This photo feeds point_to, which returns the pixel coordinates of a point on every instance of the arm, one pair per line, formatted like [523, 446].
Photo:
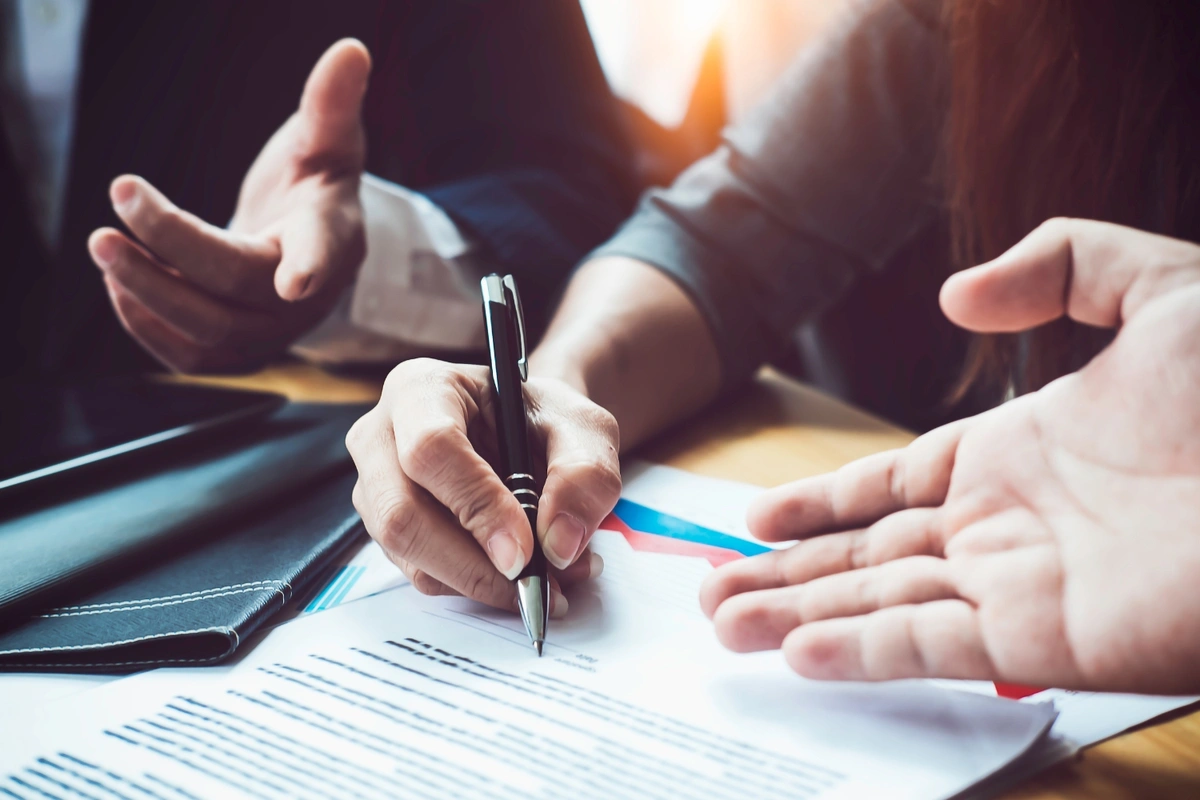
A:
[630, 339]
[824, 184]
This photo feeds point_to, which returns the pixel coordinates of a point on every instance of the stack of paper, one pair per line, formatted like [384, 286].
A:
[387, 693]
[398, 694]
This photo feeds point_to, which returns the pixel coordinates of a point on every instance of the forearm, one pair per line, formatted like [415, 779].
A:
[632, 341]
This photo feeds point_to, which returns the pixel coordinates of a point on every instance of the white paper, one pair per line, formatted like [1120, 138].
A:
[710, 502]
[1089, 717]
[368, 572]
[398, 694]
[21, 692]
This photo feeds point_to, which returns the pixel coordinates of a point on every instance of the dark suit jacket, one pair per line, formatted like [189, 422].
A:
[495, 109]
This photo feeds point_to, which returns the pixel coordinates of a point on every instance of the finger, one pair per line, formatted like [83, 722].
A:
[588, 566]
[410, 527]
[862, 492]
[421, 580]
[430, 418]
[227, 265]
[761, 620]
[1096, 273]
[168, 347]
[188, 311]
[912, 532]
[583, 482]
[319, 244]
[941, 639]
[331, 105]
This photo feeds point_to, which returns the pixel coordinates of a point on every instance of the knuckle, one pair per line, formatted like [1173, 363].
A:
[396, 524]
[1058, 223]
[425, 583]
[862, 551]
[404, 373]
[601, 421]
[897, 482]
[357, 436]
[476, 580]
[792, 565]
[427, 450]
[598, 477]
[606, 475]
[606, 423]
[476, 507]
[157, 222]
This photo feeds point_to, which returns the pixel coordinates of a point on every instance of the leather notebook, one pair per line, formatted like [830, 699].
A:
[179, 562]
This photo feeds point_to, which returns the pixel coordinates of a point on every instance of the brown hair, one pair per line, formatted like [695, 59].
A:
[1082, 108]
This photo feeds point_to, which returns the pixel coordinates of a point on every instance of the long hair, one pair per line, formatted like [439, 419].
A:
[1081, 108]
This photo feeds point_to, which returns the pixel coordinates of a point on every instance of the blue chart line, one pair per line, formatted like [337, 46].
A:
[336, 590]
[354, 574]
[647, 520]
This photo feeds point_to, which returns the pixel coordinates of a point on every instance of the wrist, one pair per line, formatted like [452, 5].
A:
[556, 362]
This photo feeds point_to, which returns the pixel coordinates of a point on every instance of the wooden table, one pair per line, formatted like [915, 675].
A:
[779, 431]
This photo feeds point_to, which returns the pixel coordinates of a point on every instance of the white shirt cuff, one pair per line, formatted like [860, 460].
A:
[417, 288]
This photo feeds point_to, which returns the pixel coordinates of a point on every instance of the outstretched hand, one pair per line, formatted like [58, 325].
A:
[1052, 541]
[203, 298]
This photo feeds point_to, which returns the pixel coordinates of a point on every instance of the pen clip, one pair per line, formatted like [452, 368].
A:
[519, 313]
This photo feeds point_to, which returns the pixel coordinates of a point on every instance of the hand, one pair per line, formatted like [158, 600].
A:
[429, 495]
[202, 298]
[1053, 541]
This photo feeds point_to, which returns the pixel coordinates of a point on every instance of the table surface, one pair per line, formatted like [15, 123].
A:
[778, 431]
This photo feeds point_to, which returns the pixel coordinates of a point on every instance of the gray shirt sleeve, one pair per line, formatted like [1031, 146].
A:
[824, 182]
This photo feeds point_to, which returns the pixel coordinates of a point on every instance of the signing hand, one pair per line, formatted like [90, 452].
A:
[203, 298]
[1053, 541]
[428, 495]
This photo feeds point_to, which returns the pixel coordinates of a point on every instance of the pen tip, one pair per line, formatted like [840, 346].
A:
[538, 646]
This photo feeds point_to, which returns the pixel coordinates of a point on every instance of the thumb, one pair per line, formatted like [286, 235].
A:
[317, 246]
[1096, 273]
[331, 107]
[583, 481]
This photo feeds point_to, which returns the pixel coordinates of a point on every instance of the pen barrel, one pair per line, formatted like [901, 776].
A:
[508, 388]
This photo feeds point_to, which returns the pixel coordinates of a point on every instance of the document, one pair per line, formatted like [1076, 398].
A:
[403, 695]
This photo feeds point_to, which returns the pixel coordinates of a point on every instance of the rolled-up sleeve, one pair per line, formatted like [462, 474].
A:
[826, 181]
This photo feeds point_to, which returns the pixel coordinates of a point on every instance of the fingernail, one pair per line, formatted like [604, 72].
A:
[563, 538]
[104, 251]
[505, 553]
[595, 565]
[558, 604]
[124, 197]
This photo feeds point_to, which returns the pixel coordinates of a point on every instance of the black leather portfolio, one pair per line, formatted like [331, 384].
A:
[180, 561]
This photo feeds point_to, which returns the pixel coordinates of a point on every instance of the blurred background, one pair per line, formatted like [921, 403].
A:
[686, 67]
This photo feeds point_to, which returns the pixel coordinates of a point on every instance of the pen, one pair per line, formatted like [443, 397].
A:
[510, 368]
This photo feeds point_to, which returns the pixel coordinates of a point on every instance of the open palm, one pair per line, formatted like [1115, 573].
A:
[1052, 541]
[203, 298]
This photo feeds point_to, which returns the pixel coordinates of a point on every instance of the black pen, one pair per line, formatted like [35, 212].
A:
[510, 369]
